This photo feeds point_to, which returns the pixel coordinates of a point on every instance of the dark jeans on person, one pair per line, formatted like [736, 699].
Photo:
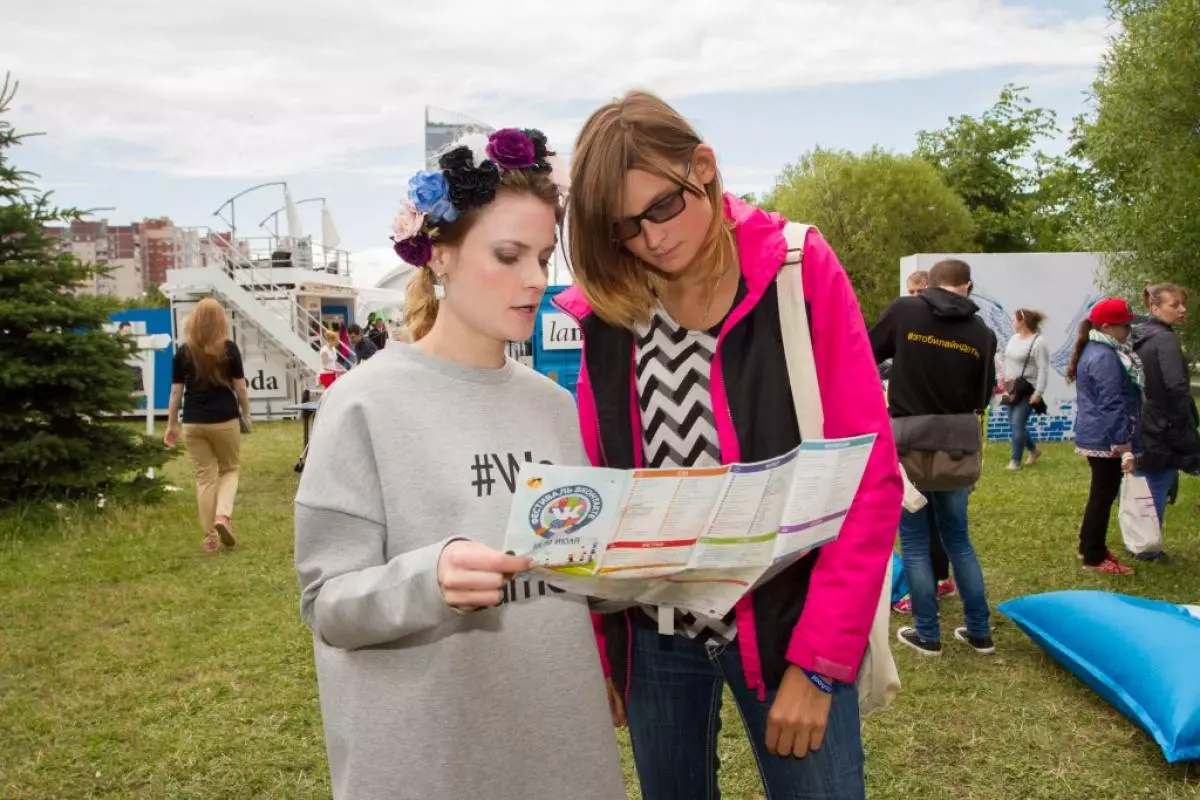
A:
[950, 510]
[1018, 420]
[1105, 488]
[937, 553]
[1161, 483]
[674, 711]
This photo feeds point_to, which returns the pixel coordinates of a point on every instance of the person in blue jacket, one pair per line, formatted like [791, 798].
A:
[1108, 381]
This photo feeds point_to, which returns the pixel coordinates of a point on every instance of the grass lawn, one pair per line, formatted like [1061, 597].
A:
[132, 665]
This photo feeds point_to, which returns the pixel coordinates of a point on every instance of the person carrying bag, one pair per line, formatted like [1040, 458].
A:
[942, 376]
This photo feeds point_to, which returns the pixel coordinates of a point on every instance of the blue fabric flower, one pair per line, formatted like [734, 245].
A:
[430, 193]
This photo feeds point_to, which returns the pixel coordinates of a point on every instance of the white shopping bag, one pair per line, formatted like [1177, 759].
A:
[1139, 517]
[914, 499]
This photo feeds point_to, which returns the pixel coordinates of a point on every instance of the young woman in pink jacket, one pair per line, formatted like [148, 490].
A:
[683, 365]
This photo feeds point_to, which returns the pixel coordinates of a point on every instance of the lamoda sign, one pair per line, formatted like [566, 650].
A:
[559, 332]
[266, 379]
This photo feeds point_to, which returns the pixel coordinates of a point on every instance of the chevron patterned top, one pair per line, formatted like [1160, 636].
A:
[678, 426]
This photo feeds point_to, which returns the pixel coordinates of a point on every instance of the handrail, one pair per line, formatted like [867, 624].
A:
[237, 265]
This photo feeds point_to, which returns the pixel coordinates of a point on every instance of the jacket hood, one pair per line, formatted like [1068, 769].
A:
[1148, 328]
[948, 305]
[760, 244]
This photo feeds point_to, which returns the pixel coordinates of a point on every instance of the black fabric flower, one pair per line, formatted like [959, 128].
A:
[471, 186]
[541, 150]
[457, 159]
[538, 138]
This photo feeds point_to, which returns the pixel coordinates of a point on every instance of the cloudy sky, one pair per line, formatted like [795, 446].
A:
[169, 108]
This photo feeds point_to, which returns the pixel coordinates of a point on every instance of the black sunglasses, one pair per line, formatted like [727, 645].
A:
[664, 210]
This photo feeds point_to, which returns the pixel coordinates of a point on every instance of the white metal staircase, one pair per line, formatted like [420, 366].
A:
[248, 289]
[218, 282]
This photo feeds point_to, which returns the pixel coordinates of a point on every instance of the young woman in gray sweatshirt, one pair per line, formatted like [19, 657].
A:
[441, 675]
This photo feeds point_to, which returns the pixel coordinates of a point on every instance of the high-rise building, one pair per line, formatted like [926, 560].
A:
[137, 255]
[160, 251]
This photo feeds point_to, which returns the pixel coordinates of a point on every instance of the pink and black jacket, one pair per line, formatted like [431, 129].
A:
[816, 614]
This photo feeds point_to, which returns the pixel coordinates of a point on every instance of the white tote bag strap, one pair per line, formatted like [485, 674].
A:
[797, 338]
[878, 679]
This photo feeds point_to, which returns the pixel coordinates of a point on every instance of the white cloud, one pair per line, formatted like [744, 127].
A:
[368, 267]
[236, 89]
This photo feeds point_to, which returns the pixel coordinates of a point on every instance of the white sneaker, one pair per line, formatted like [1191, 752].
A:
[1032, 457]
[1013, 466]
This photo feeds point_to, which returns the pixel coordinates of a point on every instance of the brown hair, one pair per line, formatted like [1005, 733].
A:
[639, 131]
[920, 277]
[1031, 319]
[1156, 294]
[206, 334]
[950, 272]
[420, 304]
[1081, 340]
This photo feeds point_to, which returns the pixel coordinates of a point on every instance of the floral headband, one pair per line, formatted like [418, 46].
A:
[468, 178]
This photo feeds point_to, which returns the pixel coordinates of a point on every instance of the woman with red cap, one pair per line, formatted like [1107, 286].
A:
[1108, 406]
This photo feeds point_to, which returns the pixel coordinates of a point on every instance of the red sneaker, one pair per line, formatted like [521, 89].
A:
[224, 528]
[946, 588]
[1110, 566]
[903, 605]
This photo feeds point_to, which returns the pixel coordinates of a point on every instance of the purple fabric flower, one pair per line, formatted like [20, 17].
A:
[415, 250]
[509, 148]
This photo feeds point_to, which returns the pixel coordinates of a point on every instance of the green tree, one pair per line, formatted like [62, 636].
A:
[874, 209]
[1020, 198]
[61, 373]
[1143, 145]
[153, 297]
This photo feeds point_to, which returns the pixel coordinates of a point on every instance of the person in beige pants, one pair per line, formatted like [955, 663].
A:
[210, 383]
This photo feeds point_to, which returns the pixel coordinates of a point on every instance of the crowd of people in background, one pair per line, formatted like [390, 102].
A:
[1134, 415]
[345, 346]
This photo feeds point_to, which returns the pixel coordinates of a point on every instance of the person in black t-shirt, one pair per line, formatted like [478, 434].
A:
[209, 381]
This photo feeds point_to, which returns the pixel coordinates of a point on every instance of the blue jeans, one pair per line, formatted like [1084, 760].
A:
[1018, 420]
[674, 710]
[1160, 486]
[950, 511]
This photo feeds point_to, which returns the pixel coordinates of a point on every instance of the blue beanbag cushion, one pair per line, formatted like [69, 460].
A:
[1143, 656]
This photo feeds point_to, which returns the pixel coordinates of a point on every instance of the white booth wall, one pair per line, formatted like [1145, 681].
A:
[1063, 286]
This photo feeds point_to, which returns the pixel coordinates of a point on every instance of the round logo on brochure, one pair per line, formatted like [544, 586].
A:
[564, 510]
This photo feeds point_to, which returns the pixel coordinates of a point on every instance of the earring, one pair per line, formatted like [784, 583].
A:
[439, 289]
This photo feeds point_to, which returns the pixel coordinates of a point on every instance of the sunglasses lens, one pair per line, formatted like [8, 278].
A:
[663, 211]
[627, 229]
[666, 209]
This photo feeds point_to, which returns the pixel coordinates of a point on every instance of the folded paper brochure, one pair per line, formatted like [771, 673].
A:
[696, 539]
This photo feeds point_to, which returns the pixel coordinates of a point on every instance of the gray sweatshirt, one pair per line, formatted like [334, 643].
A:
[419, 701]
